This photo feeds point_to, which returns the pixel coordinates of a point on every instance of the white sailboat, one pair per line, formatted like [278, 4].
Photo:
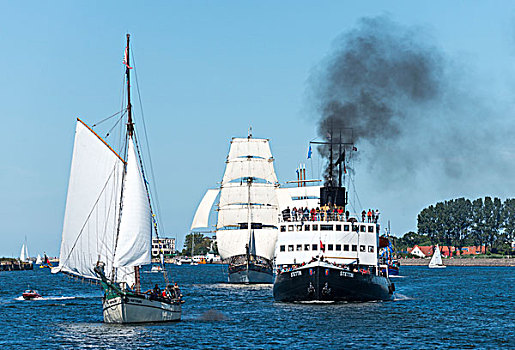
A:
[108, 222]
[436, 260]
[39, 261]
[246, 229]
[24, 253]
[23, 256]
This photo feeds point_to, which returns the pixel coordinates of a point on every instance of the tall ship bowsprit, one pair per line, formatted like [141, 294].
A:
[325, 253]
[109, 221]
[246, 228]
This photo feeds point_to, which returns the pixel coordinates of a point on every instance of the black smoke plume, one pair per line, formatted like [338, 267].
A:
[374, 77]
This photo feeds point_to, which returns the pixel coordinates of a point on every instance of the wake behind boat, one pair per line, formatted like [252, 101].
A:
[108, 224]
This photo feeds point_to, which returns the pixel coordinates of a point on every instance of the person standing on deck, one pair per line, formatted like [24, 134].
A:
[325, 210]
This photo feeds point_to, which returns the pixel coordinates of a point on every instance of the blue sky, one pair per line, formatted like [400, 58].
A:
[208, 70]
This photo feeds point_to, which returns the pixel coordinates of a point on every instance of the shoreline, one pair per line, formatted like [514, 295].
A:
[508, 262]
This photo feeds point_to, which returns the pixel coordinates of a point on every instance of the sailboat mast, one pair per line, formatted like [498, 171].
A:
[130, 131]
[130, 124]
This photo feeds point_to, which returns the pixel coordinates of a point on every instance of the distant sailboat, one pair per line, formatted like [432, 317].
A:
[436, 260]
[24, 254]
[39, 260]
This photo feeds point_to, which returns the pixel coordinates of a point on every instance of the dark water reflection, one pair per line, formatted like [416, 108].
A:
[456, 307]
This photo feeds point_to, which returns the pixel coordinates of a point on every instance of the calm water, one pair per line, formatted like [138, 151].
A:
[456, 307]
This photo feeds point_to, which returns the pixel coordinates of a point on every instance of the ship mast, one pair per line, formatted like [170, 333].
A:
[130, 132]
[130, 124]
[249, 221]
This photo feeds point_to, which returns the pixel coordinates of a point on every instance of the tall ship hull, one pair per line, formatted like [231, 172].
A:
[128, 308]
[320, 281]
[250, 272]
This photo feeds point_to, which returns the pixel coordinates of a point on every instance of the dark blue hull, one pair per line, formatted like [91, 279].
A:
[327, 283]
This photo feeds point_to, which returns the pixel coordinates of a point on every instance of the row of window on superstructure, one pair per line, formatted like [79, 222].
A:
[329, 247]
[328, 227]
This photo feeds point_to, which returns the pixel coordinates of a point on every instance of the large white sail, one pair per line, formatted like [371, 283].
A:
[234, 215]
[249, 147]
[204, 209]
[242, 200]
[92, 203]
[135, 234]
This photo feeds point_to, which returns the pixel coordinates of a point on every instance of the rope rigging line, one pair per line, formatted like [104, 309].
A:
[115, 124]
[155, 195]
[111, 116]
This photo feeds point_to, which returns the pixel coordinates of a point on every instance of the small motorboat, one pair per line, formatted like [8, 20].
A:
[30, 294]
[156, 268]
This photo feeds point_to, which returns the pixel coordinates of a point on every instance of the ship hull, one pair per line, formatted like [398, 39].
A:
[328, 283]
[258, 270]
[136, 309]
[249, 276]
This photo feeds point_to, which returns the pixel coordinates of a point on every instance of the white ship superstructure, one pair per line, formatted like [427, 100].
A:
[341, 240]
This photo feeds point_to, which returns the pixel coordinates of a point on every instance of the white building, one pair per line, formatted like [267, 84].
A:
[165, 245]
[417, 252]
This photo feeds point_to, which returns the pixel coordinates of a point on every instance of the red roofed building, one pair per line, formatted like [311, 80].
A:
[427, 251]
[421, 251]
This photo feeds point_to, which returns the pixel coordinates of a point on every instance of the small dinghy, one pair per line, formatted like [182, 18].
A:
[30, 294]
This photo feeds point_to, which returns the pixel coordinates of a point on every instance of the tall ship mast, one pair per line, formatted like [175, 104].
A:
[324, 252]
[246, 228]
[108, 224]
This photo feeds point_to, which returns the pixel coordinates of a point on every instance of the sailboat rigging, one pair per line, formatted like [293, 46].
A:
[108, 225]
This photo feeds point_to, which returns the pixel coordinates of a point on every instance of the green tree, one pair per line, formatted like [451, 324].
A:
[461, 210]
[508, 219]
[478, 226]
[198, 243]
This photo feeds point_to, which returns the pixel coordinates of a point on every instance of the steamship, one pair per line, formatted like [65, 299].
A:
[326, 256]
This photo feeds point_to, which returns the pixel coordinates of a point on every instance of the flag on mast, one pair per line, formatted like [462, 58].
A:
[125, 57]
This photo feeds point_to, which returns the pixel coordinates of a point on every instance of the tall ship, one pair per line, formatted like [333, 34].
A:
[109, 222]
[246, 227]
[324, 252]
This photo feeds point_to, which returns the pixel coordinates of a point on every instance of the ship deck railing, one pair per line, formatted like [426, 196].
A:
[352, 218]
